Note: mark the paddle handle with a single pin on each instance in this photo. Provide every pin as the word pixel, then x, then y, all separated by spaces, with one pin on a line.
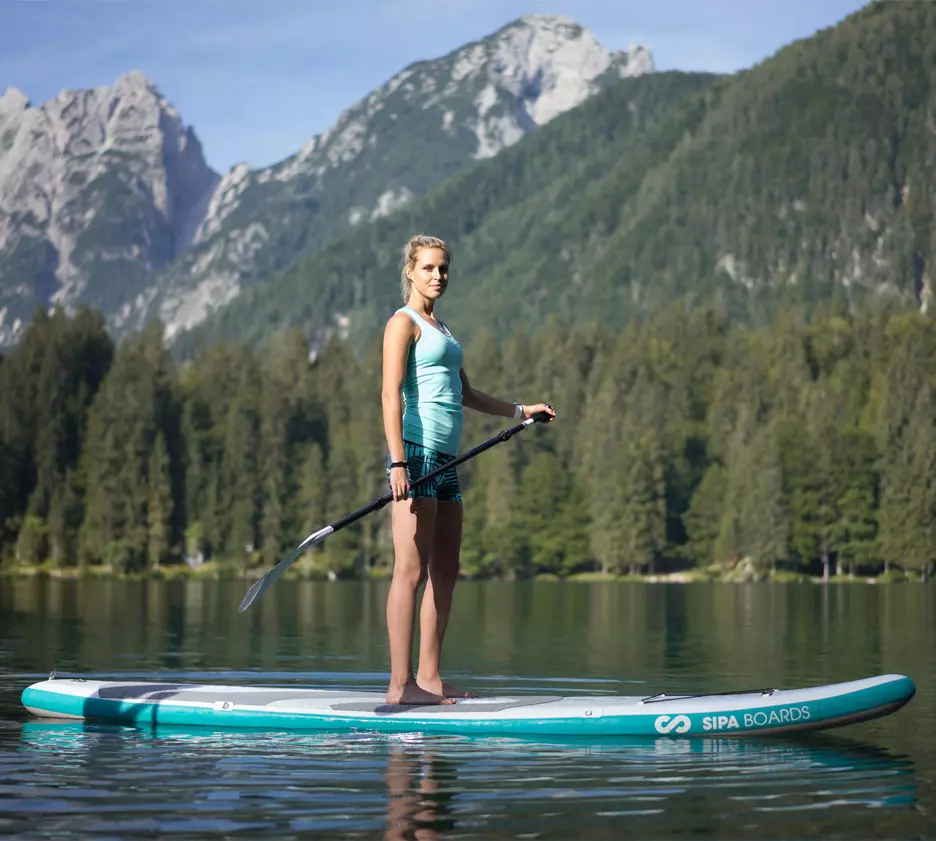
pixel 380 502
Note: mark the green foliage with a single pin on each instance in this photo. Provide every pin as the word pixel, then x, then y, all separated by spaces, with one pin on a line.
pixel 551 519
pixel 499 213
pixel 159 505
pixel 416 131
pixel 679 445
pixel 704 516
pixel 127 513
pixel 805 182
pixel 908 505
pixel 49 383
pixel 32 544
pixel 707 277
pixel 855 481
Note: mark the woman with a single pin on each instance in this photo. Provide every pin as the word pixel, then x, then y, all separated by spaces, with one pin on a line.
pixel 422 360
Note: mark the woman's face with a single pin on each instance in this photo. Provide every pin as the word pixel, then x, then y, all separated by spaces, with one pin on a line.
pixel 430 273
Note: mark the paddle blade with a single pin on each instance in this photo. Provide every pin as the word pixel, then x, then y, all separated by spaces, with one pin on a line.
pixel 251 595
pixel 264 584
pixel 273 575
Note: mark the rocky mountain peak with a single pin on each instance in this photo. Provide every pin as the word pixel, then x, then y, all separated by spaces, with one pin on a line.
pixel 12 102
pixel 98 187
pixel 115 187
pixel 136 80
pixel 550 63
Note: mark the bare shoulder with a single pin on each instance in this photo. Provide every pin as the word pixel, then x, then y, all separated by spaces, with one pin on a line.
pixel 398 321
pixel 400 327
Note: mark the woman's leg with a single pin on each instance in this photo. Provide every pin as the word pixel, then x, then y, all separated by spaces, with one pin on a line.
pixel 437 599
pixel 413 524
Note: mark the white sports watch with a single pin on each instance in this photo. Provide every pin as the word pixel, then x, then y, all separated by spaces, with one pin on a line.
pixel 518 411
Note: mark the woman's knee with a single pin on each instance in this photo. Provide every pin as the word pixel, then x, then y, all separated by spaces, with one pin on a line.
pixel 410 573
pixel 444 572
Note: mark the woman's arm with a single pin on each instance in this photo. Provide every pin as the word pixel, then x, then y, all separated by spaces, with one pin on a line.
pixel 398 336
pixel 472 398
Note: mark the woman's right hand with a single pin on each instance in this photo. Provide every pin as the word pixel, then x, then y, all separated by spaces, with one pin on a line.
pixel 399 483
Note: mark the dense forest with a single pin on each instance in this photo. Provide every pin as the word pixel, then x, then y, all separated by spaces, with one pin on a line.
pixel 723 284
pixel 683 442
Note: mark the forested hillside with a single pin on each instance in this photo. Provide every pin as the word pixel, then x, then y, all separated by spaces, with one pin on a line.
pixel 498 215
pixel 808 178
pixel 718 282
pixel 681 443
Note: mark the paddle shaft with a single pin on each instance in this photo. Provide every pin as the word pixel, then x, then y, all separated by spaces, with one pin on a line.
pixel 317 537
pixel 380 502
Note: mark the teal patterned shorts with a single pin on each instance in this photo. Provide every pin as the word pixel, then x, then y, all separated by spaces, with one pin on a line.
pixel 420 461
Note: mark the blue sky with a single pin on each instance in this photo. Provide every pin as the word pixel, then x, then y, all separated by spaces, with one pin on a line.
pixel 257 78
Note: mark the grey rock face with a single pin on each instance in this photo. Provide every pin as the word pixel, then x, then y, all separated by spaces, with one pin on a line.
pixel 98 188
pixel 105 196
pixel 427 121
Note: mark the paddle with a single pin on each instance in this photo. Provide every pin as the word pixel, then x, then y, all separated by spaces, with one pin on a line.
pixel 271 577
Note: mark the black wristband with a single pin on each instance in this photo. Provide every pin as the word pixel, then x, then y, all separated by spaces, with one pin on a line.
pixel 398 464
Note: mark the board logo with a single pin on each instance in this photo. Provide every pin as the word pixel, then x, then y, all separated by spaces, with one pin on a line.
pixel 720 722
pixel 676 724
pixel 784 715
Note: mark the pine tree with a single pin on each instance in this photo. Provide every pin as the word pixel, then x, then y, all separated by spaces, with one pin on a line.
pixel 311 500
pixel 273 478
pixel 474 557
pixel 574 531
pixel 159 506
pixel 755 523
pixel 766 522
pixel 504 540
pixel 704 516
pixel 907 518
pixel 32 542
pixel 644 505
pixel 65 515
pixel 239 488
pixel 856 485
pixel 135 403
pixel 550 518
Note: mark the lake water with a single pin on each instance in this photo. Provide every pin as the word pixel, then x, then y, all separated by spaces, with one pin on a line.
pixel 872 780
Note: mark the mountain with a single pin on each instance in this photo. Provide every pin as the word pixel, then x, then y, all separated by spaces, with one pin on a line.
pixel 98 188
pixel 804 180
pixel 425 123
pixel 514 215
pixel 126 216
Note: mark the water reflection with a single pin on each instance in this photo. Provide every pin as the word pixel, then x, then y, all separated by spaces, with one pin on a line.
pixel 421 789
pixel 103 781
pixel 426 787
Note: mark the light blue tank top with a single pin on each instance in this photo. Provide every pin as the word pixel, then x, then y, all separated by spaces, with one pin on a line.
pixel 432 390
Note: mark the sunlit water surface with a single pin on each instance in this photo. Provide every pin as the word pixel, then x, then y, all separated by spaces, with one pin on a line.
pixel 69 779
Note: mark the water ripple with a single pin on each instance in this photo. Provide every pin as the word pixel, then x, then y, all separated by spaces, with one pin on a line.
pixel 117 781
pixel 70 779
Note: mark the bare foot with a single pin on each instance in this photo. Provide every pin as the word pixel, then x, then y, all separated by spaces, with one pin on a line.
pixel 440 687
pixel 412 693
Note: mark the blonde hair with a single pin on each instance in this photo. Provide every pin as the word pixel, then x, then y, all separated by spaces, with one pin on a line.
pixel 411 251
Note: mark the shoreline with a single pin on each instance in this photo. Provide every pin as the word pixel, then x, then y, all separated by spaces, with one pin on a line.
pixel 219 573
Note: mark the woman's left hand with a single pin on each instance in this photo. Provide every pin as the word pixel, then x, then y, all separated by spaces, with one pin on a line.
pixel 530 411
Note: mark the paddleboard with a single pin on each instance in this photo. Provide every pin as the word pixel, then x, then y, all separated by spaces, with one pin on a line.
pixel 758 711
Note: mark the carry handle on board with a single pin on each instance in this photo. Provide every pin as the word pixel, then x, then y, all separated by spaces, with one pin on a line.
pixel 317 537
